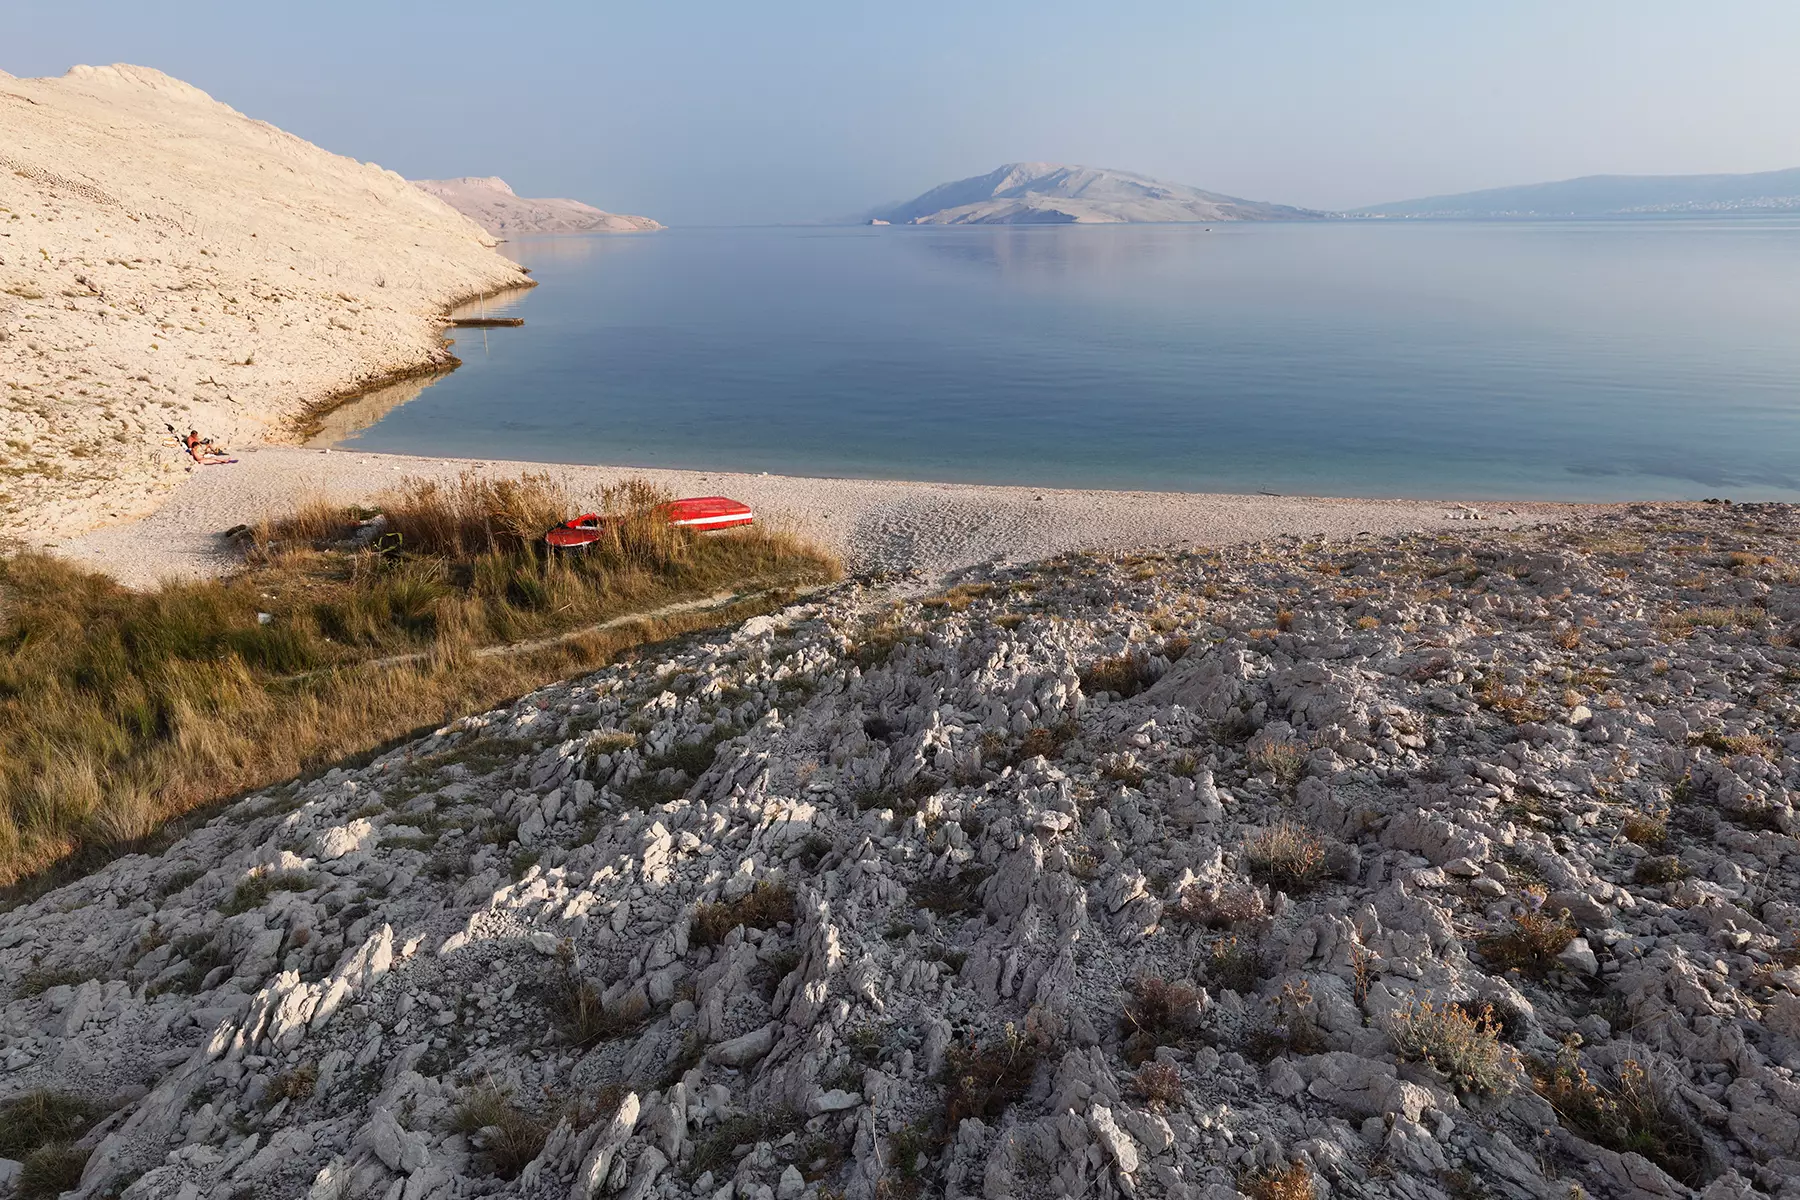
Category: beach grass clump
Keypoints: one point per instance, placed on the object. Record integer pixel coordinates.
(122, 709)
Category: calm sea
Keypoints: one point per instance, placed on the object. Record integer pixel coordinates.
(1593, 360)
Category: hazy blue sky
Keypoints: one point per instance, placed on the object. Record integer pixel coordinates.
(734, 112)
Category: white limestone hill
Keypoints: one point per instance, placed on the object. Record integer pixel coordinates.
(490, 203)
(166, 260)
(1054, 194)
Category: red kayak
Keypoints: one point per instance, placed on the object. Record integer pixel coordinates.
(700, 513)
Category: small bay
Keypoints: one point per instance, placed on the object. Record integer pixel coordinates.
(1603, 360)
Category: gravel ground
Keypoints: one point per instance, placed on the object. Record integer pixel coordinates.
(877, 525)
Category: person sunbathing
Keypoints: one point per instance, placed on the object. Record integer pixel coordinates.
(203, 450)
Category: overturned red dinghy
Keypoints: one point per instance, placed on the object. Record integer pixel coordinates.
(710, 512)
(700, 513)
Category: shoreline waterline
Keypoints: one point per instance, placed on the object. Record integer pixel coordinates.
(876, 525)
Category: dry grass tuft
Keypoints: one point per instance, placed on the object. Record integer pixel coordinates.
(40, 1118)
(1160, 1084)
(765, 906)
(1531, 942)
(507, 1136)
(120, 710)
(1650, 830)
(1158, 1013)
(1125, 674)
(1292, 1182)
(1286, 856)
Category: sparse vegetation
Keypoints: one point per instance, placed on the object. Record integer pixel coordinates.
(1466, 1046)
(1286, 856)
(507, 1136)
(49, 1171)
(763, 907)
(1292, 1182)
(41, 1118)
(122, 709)
(1531, 940)
(1158, 1013)
(1284, 759)
(1159, 1083)
(1628, 1115)
(1125, 674)
(254, 890)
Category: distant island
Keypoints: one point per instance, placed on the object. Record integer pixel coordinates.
(491, 204)
(1055, 194)
(1612, 196)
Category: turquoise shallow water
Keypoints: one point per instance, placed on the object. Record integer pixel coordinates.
(1600, 360)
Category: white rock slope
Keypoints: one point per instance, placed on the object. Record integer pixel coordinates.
(490, 203)
(1145, 876)
(1054, 194)
(165, 260)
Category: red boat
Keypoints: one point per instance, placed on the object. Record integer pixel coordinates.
(702, 514)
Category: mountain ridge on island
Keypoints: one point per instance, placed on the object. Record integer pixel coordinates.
(492, 204)
(1611, 196)
(1036, 193)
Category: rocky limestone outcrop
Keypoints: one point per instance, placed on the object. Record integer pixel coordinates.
(1425, 867)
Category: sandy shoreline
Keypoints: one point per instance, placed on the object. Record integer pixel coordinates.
(877, 525)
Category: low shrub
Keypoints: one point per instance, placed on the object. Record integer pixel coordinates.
(763, 907)
(1464, 1045)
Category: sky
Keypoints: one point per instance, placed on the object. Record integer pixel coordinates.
(721, 113)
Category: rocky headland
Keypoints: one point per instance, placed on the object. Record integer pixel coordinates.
(166, 261)
(491, 204)
(1055, 194)
(1425, 866)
